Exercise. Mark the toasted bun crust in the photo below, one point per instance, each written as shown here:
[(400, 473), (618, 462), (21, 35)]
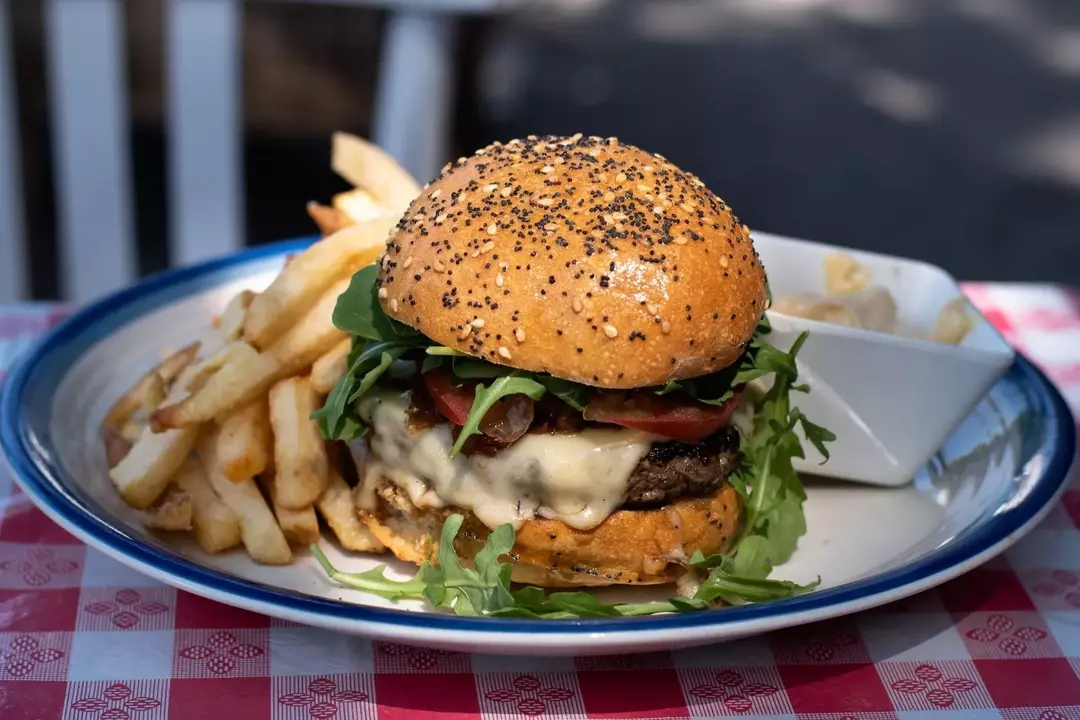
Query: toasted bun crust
[(639, 547), (584, 258)]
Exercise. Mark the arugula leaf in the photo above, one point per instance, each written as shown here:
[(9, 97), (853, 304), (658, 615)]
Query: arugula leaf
[(367, 363), (358, 312), (472, 369), (816, 434), (485, 397), (486, 590), (373, 581), (432, 362), (733, 589), (571, 393)]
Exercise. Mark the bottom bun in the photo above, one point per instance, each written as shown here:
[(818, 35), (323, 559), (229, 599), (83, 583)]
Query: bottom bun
[(638, 547)]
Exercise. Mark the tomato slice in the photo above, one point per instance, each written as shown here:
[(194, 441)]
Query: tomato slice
[(687, 422), (453, 402)]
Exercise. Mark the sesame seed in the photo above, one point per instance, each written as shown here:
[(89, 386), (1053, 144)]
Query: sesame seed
[(505, 192), (477, 323), (665, 327), (504, 353), (686, 207), (407, 264), (657, 209), (440, 218), (435, 193), (492, 229), (545, 202), (643, 188), (551, 227), (393, 305), (647, 168), (723, 261), (620, 178), (438, 266), (383, 293), (499, 280), (487, 247), (465, 331), (491, 188), (653, 309), (609, 196), (680, 240), (519, 335), (610, 331), (547, 169), (577, 305)]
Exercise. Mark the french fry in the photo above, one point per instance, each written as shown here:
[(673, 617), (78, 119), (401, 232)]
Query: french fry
[(243, 448), (231, 326), (300, 284), (328, 219), (367, 166), (358, 205), (259, 531), (241, 381), (155, 394), (233, 352), (216, 527), (330, 368), (300, 463), (337, 509), (130, 402), (132, 430), (116, 446), (300, 527), (172, 511), (145, 471)]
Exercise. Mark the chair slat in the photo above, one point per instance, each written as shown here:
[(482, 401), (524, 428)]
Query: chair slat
[(412, 108), (13, 269), (204, 110), (91, 145)]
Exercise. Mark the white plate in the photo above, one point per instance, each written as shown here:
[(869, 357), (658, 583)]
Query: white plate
[(996, 477)]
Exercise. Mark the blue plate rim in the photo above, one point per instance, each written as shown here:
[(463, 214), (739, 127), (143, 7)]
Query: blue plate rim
[(40, 478)]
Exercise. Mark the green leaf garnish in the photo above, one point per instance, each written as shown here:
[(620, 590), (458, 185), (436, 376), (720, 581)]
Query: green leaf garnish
[(486, 588), (358, 312), (486, 397)]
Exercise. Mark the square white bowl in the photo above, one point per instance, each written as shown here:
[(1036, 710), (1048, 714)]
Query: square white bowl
[(891, 400)]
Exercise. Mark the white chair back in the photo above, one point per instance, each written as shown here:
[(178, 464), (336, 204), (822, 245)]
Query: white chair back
[(91, 143)]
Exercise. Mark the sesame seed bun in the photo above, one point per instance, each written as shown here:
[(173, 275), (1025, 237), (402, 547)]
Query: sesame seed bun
[(631, 547), (584, 258)]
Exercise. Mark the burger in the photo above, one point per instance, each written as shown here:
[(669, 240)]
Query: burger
[(567, 335)]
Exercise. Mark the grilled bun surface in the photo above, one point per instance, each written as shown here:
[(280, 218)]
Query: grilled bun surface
[(585, 258), (639, 547)]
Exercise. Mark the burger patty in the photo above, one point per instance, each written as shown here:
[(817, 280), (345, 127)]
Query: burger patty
[(673, 469), (669, 471)]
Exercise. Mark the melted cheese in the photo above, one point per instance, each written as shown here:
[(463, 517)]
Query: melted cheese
[(579, 479)]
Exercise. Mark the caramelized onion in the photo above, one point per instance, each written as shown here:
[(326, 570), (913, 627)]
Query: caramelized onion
[(508, 419)]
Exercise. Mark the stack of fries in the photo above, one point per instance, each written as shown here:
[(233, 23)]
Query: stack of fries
[(217, 439)]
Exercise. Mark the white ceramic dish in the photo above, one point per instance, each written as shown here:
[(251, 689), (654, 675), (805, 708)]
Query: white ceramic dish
[(891, 400), (997, 475)]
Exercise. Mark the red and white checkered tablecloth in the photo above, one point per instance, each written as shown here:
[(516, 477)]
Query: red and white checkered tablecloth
[(82, 636)]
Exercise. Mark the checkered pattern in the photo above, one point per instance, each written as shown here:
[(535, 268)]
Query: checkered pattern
[(82, 637)]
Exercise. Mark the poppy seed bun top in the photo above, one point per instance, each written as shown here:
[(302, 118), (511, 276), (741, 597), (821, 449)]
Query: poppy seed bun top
[(584, 258)]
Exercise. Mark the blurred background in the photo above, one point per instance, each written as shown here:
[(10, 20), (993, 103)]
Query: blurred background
[(141, 134)]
